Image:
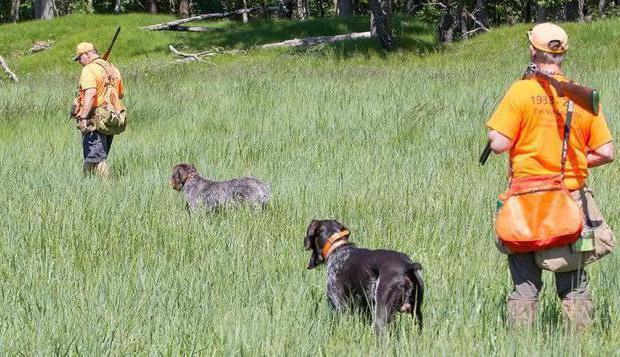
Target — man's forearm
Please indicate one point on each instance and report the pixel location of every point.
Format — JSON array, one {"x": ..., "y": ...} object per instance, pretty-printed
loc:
[
  {"x": 595, "y": 159},
  {"x": 89, "y": 99}
]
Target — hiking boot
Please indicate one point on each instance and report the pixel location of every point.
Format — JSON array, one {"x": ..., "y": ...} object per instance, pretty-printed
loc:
[
  {"x": 89, "y": 168},
  {"x": 578, "y": 314},
  {"x": 521, "y": 313}
]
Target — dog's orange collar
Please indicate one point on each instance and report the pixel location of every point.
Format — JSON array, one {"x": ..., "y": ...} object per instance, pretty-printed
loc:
[{"x": 334, "y": 242}]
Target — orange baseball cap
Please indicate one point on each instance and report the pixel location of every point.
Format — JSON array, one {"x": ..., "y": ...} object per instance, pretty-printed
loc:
[
  {"x": 548, "y": 37},
  {"x": 82, "y": 48}
]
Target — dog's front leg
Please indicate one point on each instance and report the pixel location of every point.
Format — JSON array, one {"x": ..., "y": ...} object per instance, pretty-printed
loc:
[{"x": 336, "y": 297}]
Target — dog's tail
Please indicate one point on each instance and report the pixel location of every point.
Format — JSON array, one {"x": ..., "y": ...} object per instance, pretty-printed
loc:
[{"x": 414, "y": 273}]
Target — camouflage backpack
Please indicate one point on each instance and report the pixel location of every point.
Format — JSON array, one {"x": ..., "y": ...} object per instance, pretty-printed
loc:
[{"x": 110, "y": 117}]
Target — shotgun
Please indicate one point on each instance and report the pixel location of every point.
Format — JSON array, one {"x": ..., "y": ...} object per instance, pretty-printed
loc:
[{"x": 583, "y": 96}]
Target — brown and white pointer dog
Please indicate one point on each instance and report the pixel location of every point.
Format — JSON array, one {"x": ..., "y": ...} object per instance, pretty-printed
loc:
[{"x": 384, "y": 281}]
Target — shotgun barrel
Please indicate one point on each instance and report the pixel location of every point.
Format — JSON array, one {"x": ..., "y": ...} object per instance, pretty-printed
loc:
[{"x": 107, "y": 53}]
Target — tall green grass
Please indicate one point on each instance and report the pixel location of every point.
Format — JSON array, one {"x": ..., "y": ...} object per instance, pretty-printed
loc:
[{"x": 387, "y": 144}]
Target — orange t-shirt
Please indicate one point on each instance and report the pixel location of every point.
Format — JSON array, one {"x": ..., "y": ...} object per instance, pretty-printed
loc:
[
  {"x": 533, "y": 117},
  {"x": 93, "y": 77}
]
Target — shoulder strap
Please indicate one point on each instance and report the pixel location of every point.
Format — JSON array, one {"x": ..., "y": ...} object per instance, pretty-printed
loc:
[
  {"x": 567, "y": 125},
  {"x": 106, "y": 69}
]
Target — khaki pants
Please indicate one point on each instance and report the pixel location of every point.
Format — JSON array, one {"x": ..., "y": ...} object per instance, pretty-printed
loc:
[{"x": 527, "y": 278}]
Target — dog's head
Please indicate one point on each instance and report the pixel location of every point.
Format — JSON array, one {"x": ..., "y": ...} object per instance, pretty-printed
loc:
[
  {"x": 317, "y": 235},
  {"x": 180, "y": 174}
]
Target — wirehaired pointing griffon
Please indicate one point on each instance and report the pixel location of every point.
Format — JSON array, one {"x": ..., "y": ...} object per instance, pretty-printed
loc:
[
  {"x": 382, "y": 281},
  {"x": 214, "y": 195}
]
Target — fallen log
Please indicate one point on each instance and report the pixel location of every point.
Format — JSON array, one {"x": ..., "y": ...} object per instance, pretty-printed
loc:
[
  {"x": 311, "y": 41},
  {"x": 8, "y": 70},
  {"x": 296, "y": 42},
  {"x": 196, "y": 29},
  {"x": 173, "y": 24}
]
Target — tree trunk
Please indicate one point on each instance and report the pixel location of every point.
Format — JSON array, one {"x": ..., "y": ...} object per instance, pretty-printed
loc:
[
  {"x": 480, "y": 12},
  {"x": 184, "y": 10},
  {"x": 302, "y": 10},
  {"x": 527, "y": 11},
  {"x": 320, "y": 6},
  {"x": 117, "y": 7},
  {"x": 571, "y": 10},
  {"x": 244, "y": 16},
  {"x": 151, "y": 5},
  {"x": 286, "y": 9},
  {"x": 15, "y": 10},
  {"x": 463, "y": 22},
  {"x": 344, "y": 8},
  {"x": 541, "y": 14},
  {"x": 580, "y": 10},
  {"x": 44, "y": 9},
  {"x": 380, "y": 23},
  {"x": 447, "y": 24},
  {"x": 601, "y": 7}
]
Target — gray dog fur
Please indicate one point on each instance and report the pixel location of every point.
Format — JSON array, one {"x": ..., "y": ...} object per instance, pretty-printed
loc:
[{"x": 215, "y": 195}]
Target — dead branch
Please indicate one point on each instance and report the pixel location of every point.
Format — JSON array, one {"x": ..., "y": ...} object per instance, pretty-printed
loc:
[
  {"x": 41, "y": 45},
  {"x": 473, "y": 17},
  {"x": 172, "y": 24},
  {"x": 198, "y": 56},
  {"x": 8, "y": 70},
  {"x": 196, "y": 29},
  {"x": 470, "y": 32}
]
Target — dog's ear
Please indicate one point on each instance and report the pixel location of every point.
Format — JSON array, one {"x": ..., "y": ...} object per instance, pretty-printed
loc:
[
  {"x": 310, "y": 244},
  {"x": 310, "y": 233},
  {"x": 175, "y": 178}
]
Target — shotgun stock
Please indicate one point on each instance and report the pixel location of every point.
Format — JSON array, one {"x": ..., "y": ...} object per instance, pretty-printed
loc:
[{"x": 583, "y": 96}]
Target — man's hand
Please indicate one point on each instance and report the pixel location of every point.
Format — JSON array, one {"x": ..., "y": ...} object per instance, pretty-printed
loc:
[{"x": 83, "y": 125}]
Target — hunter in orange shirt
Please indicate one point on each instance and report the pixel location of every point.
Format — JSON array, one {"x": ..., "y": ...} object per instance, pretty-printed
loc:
[
  {"x": 529, "y": 123},
  {"x": 92, "y": 90}
]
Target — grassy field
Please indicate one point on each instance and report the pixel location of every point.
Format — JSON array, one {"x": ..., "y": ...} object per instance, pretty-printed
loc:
[{"x": 385, "y": 143}]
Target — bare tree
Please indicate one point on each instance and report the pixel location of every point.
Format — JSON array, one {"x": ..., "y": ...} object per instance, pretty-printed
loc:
[
  {"x": 302, "y": 10},
  {"x": 44, "y": 9},
  {"x": 447, "y": 24},
  {"x": 480, "y": 13},
  {"x": 380, "y": 22},
  {"x": 151, "y": 5},
  {"x": 580, "y": 10},
  {"x": 184, "y": 9},
  {"x": 15, "y": 10},
  {"x": 244, "y": 15}
]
